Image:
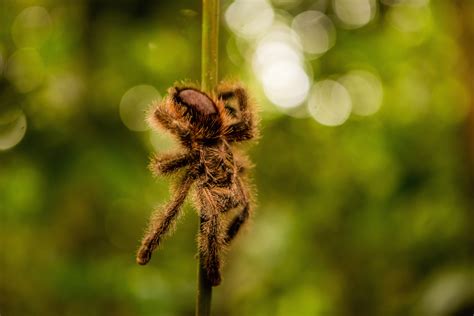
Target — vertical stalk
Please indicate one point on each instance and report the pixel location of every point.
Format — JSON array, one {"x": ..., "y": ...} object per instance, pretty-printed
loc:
[
  {"x": 210, "y": 40},
  {"x": 209, "y": 73}
]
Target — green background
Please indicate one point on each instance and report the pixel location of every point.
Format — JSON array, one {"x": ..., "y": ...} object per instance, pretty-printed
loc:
[{"x": 373, "y": 217}]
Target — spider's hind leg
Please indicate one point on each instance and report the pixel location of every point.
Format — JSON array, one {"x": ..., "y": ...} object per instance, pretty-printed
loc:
[
  {"x": 210, "y": 247},
  {"x": 211, "y": 240}
]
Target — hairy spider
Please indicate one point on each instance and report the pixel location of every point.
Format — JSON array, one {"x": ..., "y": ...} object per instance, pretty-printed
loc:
[{"x": 207, "y": 127}]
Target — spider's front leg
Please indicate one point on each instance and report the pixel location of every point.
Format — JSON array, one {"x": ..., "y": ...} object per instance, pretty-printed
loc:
[
  {"x": 160, "y": 222},
  {"x": 164, "y": 116},
  {"x": 169, "y": 163},
  {"x": 211, "y": 241},
  {"x": 245, "y": 128}
]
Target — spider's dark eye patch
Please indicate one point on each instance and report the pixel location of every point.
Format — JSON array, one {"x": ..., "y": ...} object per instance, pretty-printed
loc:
[{"x": 198, "y": 100}]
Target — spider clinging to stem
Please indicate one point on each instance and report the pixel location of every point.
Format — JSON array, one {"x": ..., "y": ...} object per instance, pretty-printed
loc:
[{"x": 207, "y": 128}]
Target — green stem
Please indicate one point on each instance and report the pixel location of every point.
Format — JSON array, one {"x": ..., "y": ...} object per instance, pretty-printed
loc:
[
  {"x": 209, "y": 73},
  {"x": 210, "y": 49}
]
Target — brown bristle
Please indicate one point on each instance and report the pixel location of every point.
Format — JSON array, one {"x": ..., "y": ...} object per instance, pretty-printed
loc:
[{"x": 207, "y": 127}]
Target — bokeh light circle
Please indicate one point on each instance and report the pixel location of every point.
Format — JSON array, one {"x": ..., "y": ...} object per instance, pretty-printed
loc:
[
  {"x": 269, "y": 52},
  {"x": 285, "y": 84},
  {"x": 64, "y": 90},
  {"x": 329, "y": 103},
  {"x": 413, "y": 3},
  {"x": 316, "y": 31},
  {"x": 354, "y": 13},
  {"x": 286, "y": 4},
  {"x": 278, "y": 64},
  {"x": 134, "y": 105},
  {"x": 365, "y": 89},
  {"x": 25, "y": 69},
  {"x": 32, "y": 27},
  {"x": 249, "y": 18},
  {"x": 12, "y": 131},
  {"x": 409, "y": 19}
]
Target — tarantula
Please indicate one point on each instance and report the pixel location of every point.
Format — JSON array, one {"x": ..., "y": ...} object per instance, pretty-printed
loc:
[{"x": 207, "y": 126}]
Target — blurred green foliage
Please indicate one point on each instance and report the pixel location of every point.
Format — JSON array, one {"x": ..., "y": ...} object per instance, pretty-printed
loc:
[{"x": 373, "y": 217}]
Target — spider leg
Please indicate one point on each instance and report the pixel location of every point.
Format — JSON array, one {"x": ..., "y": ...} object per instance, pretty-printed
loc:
[
  {"x": 245, "y": 129},
  {"x": 211, "y": 241},
  {"x": 243, "y": 215},
  {"x": 163, "y": 116},
  {"x": 242, "y": 162},
  {"x": 161, "y": 221},
  {"x": 169, "y": 163}
]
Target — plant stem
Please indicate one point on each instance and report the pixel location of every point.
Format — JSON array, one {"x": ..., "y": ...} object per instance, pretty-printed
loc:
[
  {"x": 210, "y": 50},
  {"x": 209, "y": 74}
]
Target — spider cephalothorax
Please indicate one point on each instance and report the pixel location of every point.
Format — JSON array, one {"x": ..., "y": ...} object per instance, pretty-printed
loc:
[{"x": 207, "y": 127}]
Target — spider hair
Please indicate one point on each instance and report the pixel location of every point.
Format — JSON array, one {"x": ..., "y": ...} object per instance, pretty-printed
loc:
[{"x": 207, "y": 127}]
